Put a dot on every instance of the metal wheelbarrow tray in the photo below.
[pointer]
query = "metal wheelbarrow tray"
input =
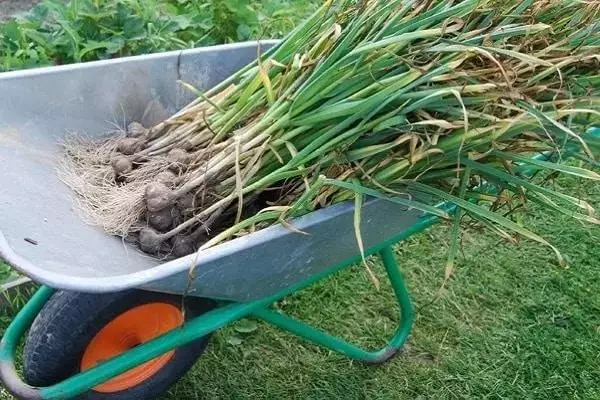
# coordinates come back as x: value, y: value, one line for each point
x: 42, y: 235
x: 39, y: 107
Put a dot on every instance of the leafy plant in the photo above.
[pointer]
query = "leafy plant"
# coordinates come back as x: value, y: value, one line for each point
x: 12, y: 301
x: 55, y: 32
x: 5, y: 272
x: 236, y: 20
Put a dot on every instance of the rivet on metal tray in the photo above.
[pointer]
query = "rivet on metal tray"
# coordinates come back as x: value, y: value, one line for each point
x: 29, y: 240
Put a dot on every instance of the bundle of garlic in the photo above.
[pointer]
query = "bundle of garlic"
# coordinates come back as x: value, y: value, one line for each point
x: 365, y: 97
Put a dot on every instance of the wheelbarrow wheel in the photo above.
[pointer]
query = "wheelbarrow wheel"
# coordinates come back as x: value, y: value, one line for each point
x: 76, y: 331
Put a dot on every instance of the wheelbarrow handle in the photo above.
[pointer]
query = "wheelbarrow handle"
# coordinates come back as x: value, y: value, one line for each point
x: 8, y: 346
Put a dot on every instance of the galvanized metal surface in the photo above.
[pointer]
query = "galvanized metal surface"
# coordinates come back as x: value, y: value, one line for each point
x: 39, y: 107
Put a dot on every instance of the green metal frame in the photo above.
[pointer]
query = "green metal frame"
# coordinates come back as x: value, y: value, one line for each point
x: 210, y: 322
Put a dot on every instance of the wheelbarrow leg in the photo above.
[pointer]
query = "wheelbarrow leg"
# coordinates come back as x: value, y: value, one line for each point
x: 334, y: 343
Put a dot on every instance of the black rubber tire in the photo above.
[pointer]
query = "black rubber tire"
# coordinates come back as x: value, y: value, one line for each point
x: 69, y: 321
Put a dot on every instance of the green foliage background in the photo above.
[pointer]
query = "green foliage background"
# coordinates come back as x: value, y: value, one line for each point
x: 55, y: 32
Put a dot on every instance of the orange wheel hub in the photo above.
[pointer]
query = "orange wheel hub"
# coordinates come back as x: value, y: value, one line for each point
x: 128, y: 330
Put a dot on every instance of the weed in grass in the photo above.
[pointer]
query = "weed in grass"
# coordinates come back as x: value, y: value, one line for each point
x: 5, y: 272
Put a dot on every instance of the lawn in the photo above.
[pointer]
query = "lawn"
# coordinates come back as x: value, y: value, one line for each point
x: 510, y: 324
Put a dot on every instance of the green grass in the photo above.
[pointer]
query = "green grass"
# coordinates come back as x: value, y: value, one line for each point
x: 512, y: 324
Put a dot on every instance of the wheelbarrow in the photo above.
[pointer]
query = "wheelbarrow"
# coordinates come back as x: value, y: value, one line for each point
x: 110, y: 322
